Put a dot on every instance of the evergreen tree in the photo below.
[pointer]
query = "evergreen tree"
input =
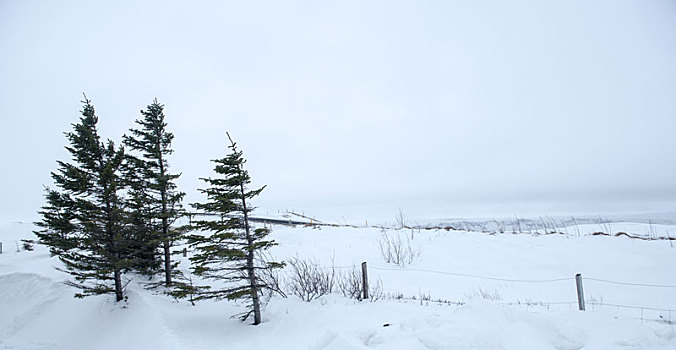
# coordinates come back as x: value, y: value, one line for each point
x: 84, y: 221
x: 145, y: 238
x: 227, y: 252
x: 156, y: 202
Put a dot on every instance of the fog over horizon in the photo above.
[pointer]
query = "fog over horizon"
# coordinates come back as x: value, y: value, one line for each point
x: 352, y: 109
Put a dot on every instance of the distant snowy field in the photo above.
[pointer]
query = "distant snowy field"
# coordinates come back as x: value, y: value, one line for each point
x: 464, y: 290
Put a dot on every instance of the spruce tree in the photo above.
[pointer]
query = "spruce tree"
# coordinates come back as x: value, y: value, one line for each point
x: 156, y: 201
x: 226, y: 253
x: 84, y: 221
x: 145, y: 238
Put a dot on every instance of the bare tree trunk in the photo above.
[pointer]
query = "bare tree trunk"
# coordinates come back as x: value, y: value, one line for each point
x: 250, y: 261
x: 167, y: 263
x: 118, y: 286
x: 254, y: 288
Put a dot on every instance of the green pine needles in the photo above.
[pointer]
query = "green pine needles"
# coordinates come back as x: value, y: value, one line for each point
x: 153, y: 194
x: 113, y: 213
x: 227, y: 248
x: 84, y: 220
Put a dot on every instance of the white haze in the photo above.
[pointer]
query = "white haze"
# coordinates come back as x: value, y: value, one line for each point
x: 353, y: 108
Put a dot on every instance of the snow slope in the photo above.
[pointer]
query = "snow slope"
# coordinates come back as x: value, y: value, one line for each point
x: 502, y: 291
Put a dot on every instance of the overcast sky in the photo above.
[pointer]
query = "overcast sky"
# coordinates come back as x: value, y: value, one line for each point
x: 352, y: 108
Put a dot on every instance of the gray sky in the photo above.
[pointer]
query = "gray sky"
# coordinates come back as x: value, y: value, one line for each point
x: 357, y: 108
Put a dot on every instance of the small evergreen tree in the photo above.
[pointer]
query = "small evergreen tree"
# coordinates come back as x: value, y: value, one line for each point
x: 227, y: 252
x: 156, y: 202
x: 84, y: 221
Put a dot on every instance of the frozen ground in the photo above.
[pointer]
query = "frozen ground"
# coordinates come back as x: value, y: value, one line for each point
x: 465, y: 290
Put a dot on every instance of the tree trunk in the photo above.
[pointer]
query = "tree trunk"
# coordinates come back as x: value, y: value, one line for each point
x: 166, y: 241
x: 254, y: 289
x: 250, y: 261
x: 118, y: 286
x: 167, y: 263
x: 113, y: 247
x: 165, y: 225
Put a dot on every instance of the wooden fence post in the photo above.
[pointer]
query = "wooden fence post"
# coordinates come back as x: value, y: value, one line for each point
x: 580, y: 292
x: 0, y: 247
x: 365, y: 280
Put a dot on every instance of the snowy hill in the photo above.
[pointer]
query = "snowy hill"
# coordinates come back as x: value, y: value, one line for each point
x: 462, y: 290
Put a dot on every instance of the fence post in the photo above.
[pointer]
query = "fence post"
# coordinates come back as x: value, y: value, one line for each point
x: 365, y: 280
x: 0, y: 247
x: 580, y: 292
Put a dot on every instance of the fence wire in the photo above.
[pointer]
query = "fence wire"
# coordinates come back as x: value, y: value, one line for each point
x: 546, y: 303
x: 629, y: 284
x: 504, y: 279
x: 477, y: 276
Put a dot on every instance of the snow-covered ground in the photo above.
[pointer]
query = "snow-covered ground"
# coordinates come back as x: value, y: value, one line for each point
x: 463, y: 290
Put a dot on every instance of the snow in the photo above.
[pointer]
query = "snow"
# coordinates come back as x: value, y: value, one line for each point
x: 473, y: 285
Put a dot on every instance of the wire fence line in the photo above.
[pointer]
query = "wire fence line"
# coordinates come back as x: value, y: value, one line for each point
x: 504, y: 279
x: 537, y: 303
x: 630, y: 284
x: 338, y: 267
x: 546, y: 304
x: 451, y: 274
x: 630, y: 307
x: 477, y: 276
x: 633, y: 307
x: 664, y: 314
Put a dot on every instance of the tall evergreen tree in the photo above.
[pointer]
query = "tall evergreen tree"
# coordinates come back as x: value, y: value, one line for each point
x: 84, y: 221
x: 155, y: 199
x: 227, y: 253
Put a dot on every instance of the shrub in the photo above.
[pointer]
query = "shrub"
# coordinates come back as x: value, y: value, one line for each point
x: 308, y: 280
x: 27, y: 244
x: 350, y: 284
x: 397, y: 250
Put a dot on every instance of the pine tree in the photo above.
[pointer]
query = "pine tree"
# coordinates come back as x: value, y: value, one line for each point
x: 84, y: 221
x: 155, y: 200
x: 227, y: 253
